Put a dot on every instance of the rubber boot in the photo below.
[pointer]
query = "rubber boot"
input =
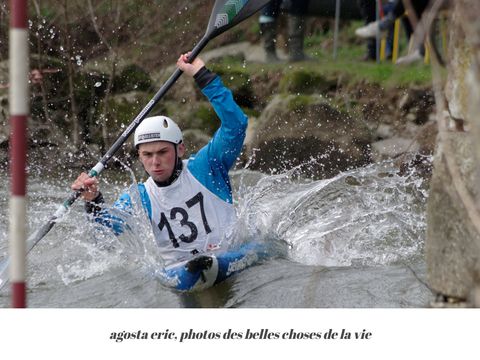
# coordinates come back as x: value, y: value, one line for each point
x: 371, y: 54
x: 268, y: 32
x: 296, y: 34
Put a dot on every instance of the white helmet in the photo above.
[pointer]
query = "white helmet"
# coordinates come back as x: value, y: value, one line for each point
x: 157, y: 128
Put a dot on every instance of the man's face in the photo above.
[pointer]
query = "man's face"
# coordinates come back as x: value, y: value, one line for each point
x: 158, y: 158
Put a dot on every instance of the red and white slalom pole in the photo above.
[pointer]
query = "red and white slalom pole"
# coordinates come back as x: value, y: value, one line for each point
x: 19, y: 109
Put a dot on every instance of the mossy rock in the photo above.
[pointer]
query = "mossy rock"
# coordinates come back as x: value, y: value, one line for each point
x: 239, y: 82
x: 299, y: 103
x: 132, y: 78
x: 122, y: 109
x: 89, y: 89
x: 192, y: 115
x: 306, y: 82
x: 194, y: 140
x: 205, y: 119
x: 308, y: 130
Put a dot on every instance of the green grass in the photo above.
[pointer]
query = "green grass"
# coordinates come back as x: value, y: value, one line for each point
x: 348, y: 64
x: 384, y: 74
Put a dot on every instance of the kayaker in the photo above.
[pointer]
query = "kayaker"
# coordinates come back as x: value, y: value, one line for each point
x: 189, y: 202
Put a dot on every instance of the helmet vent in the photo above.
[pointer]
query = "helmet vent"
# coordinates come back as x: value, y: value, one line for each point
x: 165, y: 123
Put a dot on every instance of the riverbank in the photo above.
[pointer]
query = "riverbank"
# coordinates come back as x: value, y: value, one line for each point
x: 331, y: 115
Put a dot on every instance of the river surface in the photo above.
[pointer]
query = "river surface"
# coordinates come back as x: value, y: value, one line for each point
x: 356, y: 240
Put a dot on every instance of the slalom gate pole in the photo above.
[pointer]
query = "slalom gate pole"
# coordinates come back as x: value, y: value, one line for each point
x: 19, y: 109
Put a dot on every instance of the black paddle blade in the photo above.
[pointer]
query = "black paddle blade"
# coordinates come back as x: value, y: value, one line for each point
x: 228, y: 13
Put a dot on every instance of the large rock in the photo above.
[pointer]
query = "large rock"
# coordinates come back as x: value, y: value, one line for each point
x: 453, y: 219
x: 392, y: 148
x: 453, y: 242
x: 39, y: 133
x: 295, y: 130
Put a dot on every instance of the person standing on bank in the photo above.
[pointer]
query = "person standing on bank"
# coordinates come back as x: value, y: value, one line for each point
x: 189, y: 202
x: 297, y: 12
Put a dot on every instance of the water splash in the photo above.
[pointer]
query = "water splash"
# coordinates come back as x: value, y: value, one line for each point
x: 77, y: 249
x: 134, y: 247
x: 367, y: 216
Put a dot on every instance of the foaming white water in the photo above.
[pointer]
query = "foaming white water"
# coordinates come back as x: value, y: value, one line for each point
x: 135, y: 246
x: 77, y: 249
x: 367, y: 216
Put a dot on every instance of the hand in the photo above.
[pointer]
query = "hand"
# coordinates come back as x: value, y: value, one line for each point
x: 88, y: 185
x: 186, y: 67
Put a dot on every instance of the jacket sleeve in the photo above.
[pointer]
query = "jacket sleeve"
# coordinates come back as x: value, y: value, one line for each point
x: 211, y: 164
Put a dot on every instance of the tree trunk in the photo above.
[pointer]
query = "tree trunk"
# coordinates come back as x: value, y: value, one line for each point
x: 71, y: 78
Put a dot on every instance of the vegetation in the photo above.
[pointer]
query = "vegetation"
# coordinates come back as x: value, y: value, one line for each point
x: 92, y: 52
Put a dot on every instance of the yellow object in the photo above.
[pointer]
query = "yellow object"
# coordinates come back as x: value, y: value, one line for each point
x: 383, y: 46
x: 396, y: 37
x: 426, y: 58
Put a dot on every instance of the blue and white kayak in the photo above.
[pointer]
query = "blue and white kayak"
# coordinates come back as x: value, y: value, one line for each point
x: 209, y: 269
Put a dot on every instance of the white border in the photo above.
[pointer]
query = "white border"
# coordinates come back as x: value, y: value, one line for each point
x: 396, y: 334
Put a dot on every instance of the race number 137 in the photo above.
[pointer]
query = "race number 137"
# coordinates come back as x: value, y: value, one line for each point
x: 182, y: 215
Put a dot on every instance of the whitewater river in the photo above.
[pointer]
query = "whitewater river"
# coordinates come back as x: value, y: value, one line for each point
x: 356, y: 240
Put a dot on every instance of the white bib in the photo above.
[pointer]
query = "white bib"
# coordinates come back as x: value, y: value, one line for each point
x: 187, y: 218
